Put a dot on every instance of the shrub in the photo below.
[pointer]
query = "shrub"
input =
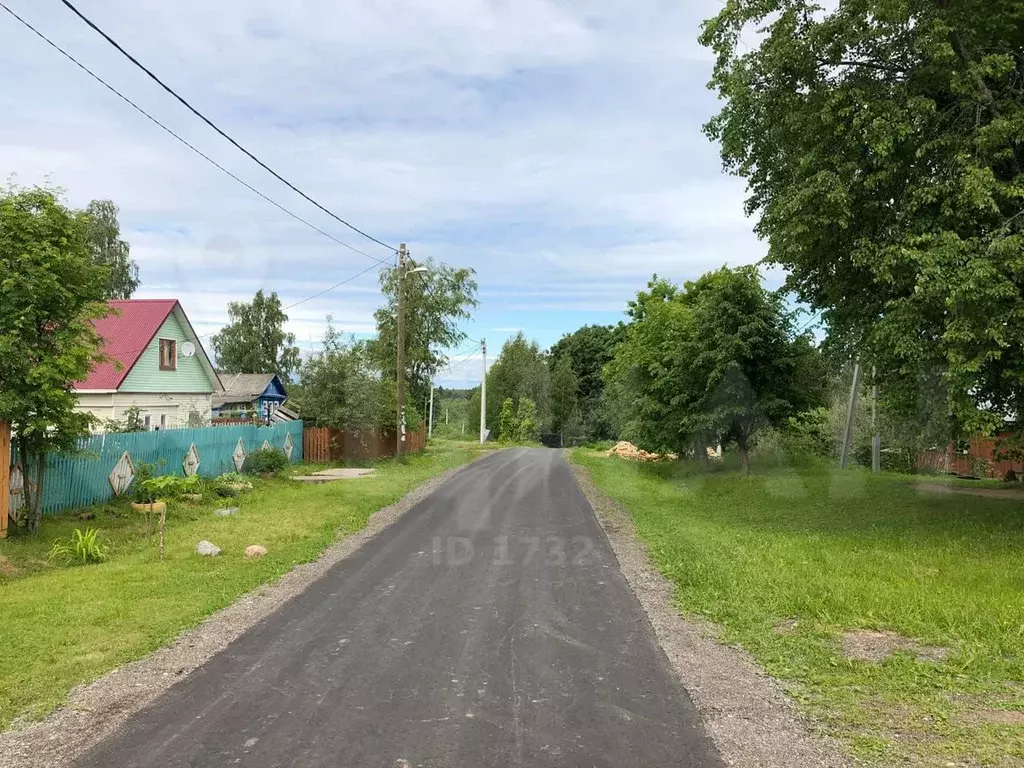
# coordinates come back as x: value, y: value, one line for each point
x: 265, y: 461
x: 81, y: 548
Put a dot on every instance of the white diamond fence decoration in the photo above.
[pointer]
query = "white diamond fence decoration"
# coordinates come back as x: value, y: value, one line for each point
x: 289, y: 446
x: 122, y: 474
x: 191, y: 463
x: 266, y: 446
x: 238, y: 457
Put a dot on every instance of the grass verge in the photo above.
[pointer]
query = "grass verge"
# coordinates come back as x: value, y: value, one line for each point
x: 62, y: 626
x: 790, y: 563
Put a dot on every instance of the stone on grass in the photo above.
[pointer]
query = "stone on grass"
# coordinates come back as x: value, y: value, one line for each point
x: 207, y: 548
x: 255, y: 550
x: 226, y: 511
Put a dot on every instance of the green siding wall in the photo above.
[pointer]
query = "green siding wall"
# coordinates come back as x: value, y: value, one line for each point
x: 146, y: 376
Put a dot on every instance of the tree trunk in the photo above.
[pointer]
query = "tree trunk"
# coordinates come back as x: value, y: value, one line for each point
x: 744, y: 454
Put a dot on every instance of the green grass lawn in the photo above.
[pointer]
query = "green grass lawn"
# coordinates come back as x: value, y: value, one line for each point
x: 61, y: 626
x: 846, y: 551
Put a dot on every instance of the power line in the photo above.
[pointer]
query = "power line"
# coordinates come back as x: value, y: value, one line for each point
x: 210, y: 123
x: 314, y: 296
x: 199, y: 152
x: 810, y: 323
x: 336, y: 285
x: 464, y: 360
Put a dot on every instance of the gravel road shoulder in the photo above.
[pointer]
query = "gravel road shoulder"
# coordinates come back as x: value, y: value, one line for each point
x: 96, y: 710
x: 750, y: 719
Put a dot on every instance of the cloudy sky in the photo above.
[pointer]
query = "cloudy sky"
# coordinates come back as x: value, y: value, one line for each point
x: 553, y: 146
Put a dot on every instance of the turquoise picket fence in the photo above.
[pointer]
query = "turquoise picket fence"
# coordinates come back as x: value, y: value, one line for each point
x: 84, y: 478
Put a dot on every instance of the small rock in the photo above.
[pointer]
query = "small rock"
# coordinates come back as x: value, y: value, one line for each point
x: 207, y: 549
x: 255, y: 550
x: 226, y: 511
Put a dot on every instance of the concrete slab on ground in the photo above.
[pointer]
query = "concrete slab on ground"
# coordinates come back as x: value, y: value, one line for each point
x: 330, y: 475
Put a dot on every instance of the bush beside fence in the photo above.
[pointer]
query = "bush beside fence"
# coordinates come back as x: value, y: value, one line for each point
x: 84, y: 478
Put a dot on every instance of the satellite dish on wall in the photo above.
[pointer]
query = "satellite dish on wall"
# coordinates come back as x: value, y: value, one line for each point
x: 188, y: 349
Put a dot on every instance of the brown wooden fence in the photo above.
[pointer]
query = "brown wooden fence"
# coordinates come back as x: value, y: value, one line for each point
x: 327, y: 444
x: 976, y: 457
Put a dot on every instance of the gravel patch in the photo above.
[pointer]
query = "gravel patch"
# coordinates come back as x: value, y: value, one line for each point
x: 95, y: 710
x: 748, y: 716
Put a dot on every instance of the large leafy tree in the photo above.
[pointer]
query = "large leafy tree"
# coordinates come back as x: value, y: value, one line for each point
x: 436, y: 302
x: 883, y: 145
x: 716, y: 360
x: 565, y: 401
x: 50, y: 291
x: 519, y: 371
x: 254, y: 341
x: 110, y: 251
x: 587, y: 351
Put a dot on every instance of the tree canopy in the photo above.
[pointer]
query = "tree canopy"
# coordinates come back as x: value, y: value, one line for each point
x: 881, y: 141
x: 436, y: 303
x: 50, y: 291
x: 519, y: 371
x: 717, y: 360
x: 587, y: 350
x: 254, y: 341
x: 110, y: 251
x: 340, y: 388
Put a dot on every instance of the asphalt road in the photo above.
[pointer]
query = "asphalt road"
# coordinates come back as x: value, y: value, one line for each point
x: 490, y: 626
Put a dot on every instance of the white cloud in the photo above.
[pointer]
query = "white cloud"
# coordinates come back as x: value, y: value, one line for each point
x: 553, y: 146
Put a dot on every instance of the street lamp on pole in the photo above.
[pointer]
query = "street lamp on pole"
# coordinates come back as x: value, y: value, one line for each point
x: 403, y: 273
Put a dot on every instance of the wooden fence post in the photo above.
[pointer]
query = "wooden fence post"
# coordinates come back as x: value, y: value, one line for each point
x: 5, y: 476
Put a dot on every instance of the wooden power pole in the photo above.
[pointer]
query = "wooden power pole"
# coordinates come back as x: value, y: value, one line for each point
x: 402, y: 256
x: 483, y: 395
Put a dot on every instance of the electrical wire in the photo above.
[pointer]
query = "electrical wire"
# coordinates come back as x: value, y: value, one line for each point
x: 466, y: 359
x: 336, y: 285
x: 199, y: 152
x: 214, y: 126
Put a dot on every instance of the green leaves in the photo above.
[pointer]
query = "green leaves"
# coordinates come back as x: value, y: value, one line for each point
x: 50, y: 291
x: 436, y: 302
x: 882, y: 142
x: 715, y: 360
x: 254, y: 341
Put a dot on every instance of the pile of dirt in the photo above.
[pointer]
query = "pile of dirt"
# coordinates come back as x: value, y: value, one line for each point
x: 626, y: 450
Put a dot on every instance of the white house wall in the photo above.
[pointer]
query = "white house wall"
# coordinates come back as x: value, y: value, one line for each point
x: 175, y: 407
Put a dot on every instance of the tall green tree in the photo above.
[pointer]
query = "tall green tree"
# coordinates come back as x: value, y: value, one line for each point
x: 564, y: 395
x: 254, y: 340
x: 527, y: 428
x: 507, y: 424
x: 718, y: 360
x: 110, y: 251
x: 436, y: 303
x: 588, y: 350
x: 50, y: 292
x: 881, y: 141
x: 520, y: 370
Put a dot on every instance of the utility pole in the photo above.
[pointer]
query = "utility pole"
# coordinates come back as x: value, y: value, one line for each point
x: 402, y: 256
x: 430, y: 419
x: 850, y: 411
x: 483, y: 394
x: 876, y: 440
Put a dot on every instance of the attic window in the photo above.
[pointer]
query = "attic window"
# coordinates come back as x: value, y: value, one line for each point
x: 168, y: 355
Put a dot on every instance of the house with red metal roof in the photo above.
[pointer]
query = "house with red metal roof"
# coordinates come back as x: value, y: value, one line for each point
x: 155, y: 362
